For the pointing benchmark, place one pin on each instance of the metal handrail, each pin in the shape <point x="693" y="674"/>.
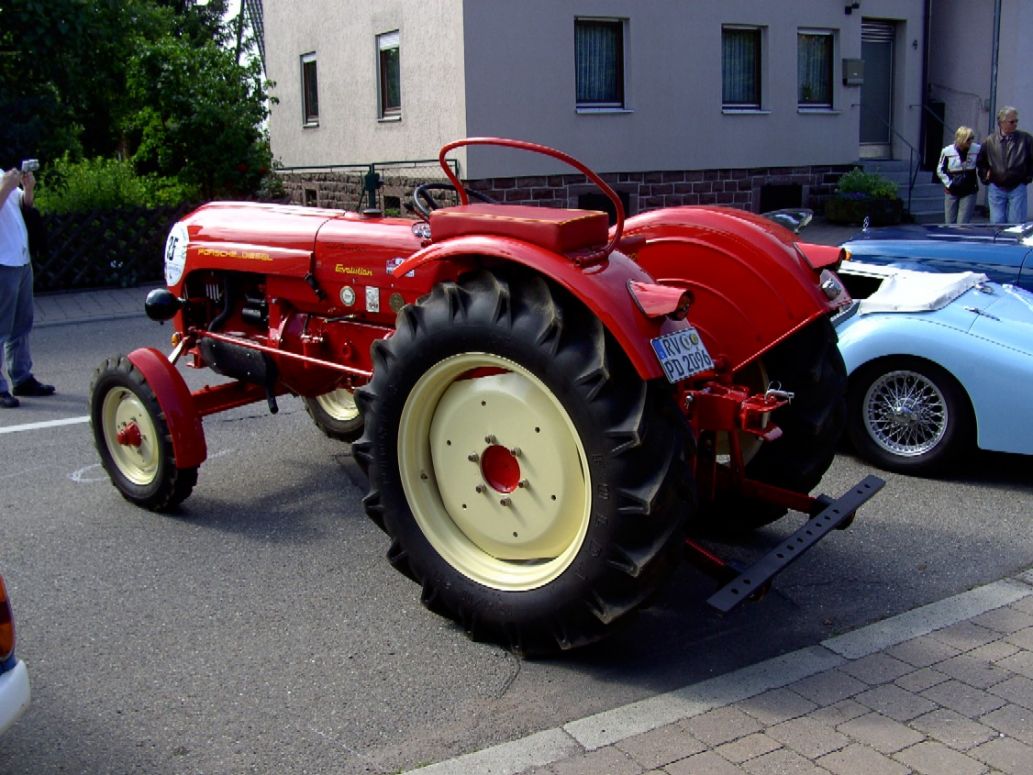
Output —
<point x="912" y="175"/>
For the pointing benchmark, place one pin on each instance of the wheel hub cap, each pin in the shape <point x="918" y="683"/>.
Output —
<point x="129" y="435"/>
<point x="500" y="468"/>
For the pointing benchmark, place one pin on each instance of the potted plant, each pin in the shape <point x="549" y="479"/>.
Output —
<point x="861" y="195"/>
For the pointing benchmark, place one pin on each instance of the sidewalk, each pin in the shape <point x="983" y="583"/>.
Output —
<point x="54" y="309"/>
<point x="945" y="689"/>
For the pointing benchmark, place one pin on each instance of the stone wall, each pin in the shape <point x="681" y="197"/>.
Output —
<point x="756" y="190"/>
<point x="747" y="189"/>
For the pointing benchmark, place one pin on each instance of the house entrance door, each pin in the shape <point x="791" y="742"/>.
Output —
<point x="877" y="90"/>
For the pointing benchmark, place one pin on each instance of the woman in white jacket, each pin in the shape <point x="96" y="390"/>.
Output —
<point x="957" y="170"/>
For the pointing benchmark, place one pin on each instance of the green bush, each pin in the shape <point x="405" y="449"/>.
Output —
<point x="857" y="181"/>
<point x="864" y="196"/>
<point x="105" y="184"/>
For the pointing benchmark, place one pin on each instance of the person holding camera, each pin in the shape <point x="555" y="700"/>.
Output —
<point x="16" y="304"/>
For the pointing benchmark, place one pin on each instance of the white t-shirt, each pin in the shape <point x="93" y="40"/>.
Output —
<point x="14" y="237"/>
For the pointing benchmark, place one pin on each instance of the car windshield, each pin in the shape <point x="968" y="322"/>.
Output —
<point x="1025" y="233"/>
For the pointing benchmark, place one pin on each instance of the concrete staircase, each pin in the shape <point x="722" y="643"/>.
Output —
<point x="926" y="196"/>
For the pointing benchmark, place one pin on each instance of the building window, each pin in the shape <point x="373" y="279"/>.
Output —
<point x="599" y="62"/>
<point x="814" y="68"/>
<point x="309" y="91"/>
<point x="389" y="89"/>
<point x="740" y="67"/>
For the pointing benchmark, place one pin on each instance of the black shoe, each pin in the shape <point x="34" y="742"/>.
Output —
<point x="8" y="401"/>
<point x="33" y="387"/>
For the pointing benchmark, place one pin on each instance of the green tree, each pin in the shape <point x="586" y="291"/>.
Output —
<point x="199" y="115"/>
<point x="73" y="84"/>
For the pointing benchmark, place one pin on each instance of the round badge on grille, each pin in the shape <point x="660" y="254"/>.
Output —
<point x="347" y="295"/>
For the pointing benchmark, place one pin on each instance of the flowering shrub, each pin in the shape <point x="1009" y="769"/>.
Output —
<point x="858" y="184"/>
<point x="864" y="195"/>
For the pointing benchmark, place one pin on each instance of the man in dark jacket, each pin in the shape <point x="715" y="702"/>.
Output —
<point x="1005" y="164"/>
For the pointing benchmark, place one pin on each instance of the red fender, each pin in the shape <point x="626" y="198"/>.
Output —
<point x="602" y="287"/>
<point x="176" y="403"/>
<point x="753" y="283"/>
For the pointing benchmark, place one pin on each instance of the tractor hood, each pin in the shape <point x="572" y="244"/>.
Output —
<point x="262" y="226"/>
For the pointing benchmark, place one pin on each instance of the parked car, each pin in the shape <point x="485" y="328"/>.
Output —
<point x="1004" y="253"/>
<point x="14" y="677"/>
<point x="938" y="364"/>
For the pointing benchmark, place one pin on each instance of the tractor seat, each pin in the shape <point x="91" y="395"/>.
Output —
<point x="561" y="231"/>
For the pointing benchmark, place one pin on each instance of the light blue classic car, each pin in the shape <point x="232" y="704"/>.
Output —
<point x="938" y="364"/>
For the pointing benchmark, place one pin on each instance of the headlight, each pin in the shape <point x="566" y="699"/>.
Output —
<point x="833" y="287"/>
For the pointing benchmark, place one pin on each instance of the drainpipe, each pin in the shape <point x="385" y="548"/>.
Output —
<point x="995" y="51"/>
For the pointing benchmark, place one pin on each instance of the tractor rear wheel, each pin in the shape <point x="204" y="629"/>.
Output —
<point x="336" y="414"/>
<point x="530" y="482"/>
<point x="132" y="437"/>
<point x="809" y="365"/>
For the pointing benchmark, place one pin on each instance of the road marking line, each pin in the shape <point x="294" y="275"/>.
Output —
<point x="35" y="426"/>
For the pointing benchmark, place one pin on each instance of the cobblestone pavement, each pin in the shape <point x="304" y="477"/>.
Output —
<point x="945" y="689"/>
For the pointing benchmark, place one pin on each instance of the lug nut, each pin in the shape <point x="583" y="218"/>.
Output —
<point x="473" y="457"/>
<point x="490" y="439"/>
<point x="479" y="488"/>
<point x="523" y="483"/>
<point x="505" y="502"/>
<point x="515" y="452"/>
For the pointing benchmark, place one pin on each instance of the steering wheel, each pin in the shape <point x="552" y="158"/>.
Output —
<point x="424" y="203"/>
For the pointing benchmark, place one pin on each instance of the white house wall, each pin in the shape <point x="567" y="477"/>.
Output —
<point x="961" y="64"/>
<point x="498" y="67"/>
<point x="520" y="82"/>
<point x="342" y="33"/>
<point x="1014" y="68"/>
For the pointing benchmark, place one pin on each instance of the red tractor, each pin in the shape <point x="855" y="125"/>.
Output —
<point x="545" y="405"/>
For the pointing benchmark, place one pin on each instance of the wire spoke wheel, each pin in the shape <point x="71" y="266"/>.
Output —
<point x="905" y="413"/>
<point x="909" y="415"/>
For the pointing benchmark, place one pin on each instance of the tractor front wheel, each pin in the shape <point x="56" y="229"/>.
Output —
<point x="132" y="437"/>
<point x="531" y="483"/>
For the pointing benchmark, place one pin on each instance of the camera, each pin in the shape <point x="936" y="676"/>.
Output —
<point x="30" y="165"/>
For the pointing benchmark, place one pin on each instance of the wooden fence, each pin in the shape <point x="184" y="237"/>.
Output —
<point x="104" y="248"/>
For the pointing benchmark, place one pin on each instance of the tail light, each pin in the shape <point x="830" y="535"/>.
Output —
<point x="656" y="301"/>
<point x="6" y="624"/>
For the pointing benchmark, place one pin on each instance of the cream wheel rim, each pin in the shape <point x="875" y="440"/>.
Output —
<point x="339" y="404"/>
<point x="494" y="471"/>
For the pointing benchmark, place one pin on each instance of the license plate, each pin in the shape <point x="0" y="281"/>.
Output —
<point x="682" y="354"/>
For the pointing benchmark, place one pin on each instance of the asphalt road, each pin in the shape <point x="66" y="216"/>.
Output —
<point x="261" y="629"/>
